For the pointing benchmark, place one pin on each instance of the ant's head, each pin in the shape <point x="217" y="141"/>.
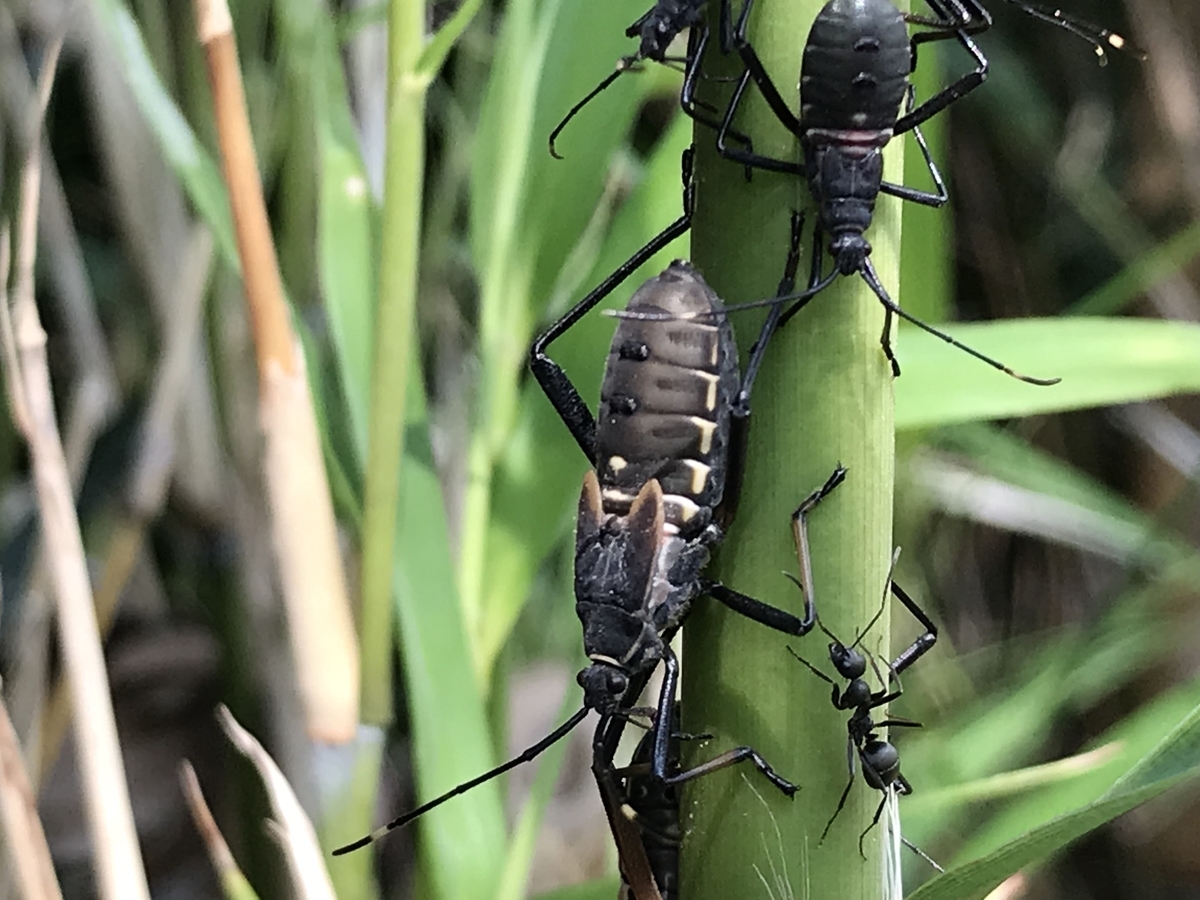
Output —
<point x="604" y="685"/>
<point x="849" y="662"/>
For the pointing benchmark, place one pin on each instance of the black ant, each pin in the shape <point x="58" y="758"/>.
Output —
<point x="879" y="759"/>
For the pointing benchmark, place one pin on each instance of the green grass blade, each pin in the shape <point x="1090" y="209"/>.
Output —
<point x="462" y="841"/>
<point x="600" y="889"/>
<point x="1100" y="361"/>
<point x="1174" y="760"/>
<point x="526" y="218"/>
<point x="195" y="167"/>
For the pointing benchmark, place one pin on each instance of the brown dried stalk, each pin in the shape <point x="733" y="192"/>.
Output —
<point x="304" y="531"/>
<point x="26" y="843"/>
<point x="119" y="872"/>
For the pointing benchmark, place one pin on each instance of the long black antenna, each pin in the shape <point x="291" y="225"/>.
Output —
<point x="868" y="275"/>
<point x="650" y="315"/>
<point x="553" y="737"/>
<point x="1097" y="36"/>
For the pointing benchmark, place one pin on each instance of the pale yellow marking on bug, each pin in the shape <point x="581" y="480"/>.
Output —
<point x="706" y="432"/>
<point x="699" y="474"/>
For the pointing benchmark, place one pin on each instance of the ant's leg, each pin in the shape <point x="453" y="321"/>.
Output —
<point x="874" y="822"/>
<point x="850" y="751"/>
<point x="923" y="643"/>
<point x="837" y="693"/>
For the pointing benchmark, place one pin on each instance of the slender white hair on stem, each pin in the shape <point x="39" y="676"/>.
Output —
<point x="893" y="883"/>
<point x="782" y="889"/>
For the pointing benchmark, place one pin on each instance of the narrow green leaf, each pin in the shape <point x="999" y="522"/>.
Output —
<point x="196" y="170"/>
<point x="346" y="232"/>
<point x="439" y="47"/>
<point x="1100" y="361"/>
<point x="462" y="841"/>
<point x="1165" y="260"/>
<point x="1174" y="760"/>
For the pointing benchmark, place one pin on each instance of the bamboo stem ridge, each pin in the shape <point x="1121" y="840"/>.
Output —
<point x="823" y="396"/>
<point x="304" y="531"/>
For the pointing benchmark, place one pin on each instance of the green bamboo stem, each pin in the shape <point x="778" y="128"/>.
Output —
<point x="824" y="395"/>
<point x="391" y="359"/>
<point x="391" y="366"/>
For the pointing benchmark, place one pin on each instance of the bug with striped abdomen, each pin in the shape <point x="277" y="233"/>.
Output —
<point x="665" y="469"/>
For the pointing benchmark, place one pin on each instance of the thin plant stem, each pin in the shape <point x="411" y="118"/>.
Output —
<point x="303" y="528"/>
<point x="392" y="362"/>
<point x="118" y="862"/>
<point x="19" y="824"/>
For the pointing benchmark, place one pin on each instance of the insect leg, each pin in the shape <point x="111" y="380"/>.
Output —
<point x="923" y="643"/>
<point x="925" y="198"/>
<point x="800" y="530"/>
<point x="662" y="735"/>
<point x="816" y="282"/>
<point x="631" y="852"/>
<point x="850" y="751"/>
<point x="970" y="18"/>
<point x="692" y="107"/>
<point x="759" y="72"/>
<point x="787" y="284"/>
<point x="874" y="822"/>
<point x="762" y="613"/>
<point x="559" y="389"/>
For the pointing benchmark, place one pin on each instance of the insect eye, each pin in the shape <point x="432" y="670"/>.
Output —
<point x="617" y="682"/>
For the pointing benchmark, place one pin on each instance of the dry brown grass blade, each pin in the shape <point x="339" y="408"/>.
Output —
<point x="232" y="880"/>
<point x="152" y="471"/>
<point x="291" y="826"/>
<point x="304" y="530"/>
<point x="119" y="871"/>
<point x="23" y="836"/>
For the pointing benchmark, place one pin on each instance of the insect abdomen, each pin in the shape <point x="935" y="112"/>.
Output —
<point x="855" y="69"/>
<point x="665" y="400"/>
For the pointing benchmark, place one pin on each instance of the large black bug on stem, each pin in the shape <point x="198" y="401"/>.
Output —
<point x="854" y="80"/>
<point x="656" y="30"/>
<point x="643" y="814"/>
<point x="666" y="466"/>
